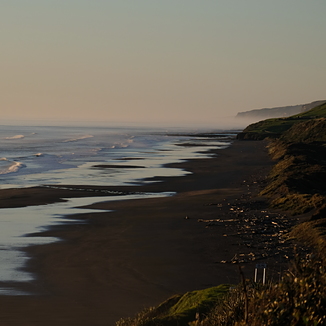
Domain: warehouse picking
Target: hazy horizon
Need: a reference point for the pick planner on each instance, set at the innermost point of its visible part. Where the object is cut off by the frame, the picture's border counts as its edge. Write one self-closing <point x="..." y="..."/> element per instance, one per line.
<point x="147" y="62"/>
<point x="222" y="124"/>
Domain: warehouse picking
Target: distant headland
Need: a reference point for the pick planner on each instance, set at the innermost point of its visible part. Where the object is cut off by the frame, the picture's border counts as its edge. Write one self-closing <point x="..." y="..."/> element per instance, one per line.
<point x="278" y="112"/>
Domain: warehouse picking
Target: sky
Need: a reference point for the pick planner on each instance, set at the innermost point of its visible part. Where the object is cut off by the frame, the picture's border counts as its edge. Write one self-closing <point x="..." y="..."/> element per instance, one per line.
<point x="148" y="61"/>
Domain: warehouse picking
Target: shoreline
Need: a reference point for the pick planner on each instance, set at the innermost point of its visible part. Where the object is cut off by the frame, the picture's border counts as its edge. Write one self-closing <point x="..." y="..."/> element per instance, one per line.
<point x="145" y="250"/>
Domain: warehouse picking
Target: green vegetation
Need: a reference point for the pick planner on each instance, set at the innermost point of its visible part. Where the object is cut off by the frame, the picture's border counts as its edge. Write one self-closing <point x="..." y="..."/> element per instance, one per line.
<point x="317" y="112"/>
<point x="274" y="128"/>
<point x="180" y="309"/>
<point x="298" y="181"/>
<point x="307" y="132"/>
<point x="299" y="299"/>
<point x="312" y="234"/>
<point x="270" y="128"/>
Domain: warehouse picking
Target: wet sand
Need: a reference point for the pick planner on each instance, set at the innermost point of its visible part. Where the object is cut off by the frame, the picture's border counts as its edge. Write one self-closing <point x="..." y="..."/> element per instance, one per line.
<point x="144" y="251"/>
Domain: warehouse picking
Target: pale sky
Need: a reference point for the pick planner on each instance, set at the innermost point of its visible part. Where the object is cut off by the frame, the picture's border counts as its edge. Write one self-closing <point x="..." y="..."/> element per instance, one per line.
<point x="180" y="61"/>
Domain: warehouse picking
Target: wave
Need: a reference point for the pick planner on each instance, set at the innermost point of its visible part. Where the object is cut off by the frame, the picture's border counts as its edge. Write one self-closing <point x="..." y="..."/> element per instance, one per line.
<point x="7" y="166"/>
<point x="78" y="138"/>
<point x="125" y="144"/>
<point x="15" y="137"/>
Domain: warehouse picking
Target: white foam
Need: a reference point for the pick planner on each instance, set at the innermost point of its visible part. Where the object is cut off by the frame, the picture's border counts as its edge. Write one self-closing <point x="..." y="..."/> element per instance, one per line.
<point x="10" y="167"/>
<point x="77" y="138"/>
<point x="15" y="137"/>
<point x="125" y="144"/>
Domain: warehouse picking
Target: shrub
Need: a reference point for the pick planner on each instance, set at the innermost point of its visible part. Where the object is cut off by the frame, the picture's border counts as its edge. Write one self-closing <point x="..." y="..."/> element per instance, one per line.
<point x="299" y="299"/>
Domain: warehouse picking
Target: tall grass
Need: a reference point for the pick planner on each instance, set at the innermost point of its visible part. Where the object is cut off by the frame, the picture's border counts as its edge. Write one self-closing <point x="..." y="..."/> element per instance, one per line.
<point x="299" y="299"/>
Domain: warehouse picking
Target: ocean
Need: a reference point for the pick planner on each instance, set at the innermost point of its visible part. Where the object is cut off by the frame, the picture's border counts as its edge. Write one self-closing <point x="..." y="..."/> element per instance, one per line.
<point x="58" y="156"/>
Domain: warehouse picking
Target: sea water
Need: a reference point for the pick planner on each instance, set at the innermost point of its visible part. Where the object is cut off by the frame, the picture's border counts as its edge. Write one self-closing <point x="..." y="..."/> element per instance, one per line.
<point x="59" y="156"/>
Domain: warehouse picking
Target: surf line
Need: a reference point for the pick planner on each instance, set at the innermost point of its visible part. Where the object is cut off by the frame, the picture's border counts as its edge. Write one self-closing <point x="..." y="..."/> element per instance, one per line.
<point x="113" y="192"/>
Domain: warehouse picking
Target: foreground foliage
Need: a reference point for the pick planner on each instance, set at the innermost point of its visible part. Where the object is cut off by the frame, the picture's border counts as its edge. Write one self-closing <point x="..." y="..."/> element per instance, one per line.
<point x="299" y="299"/>
<point x="179" y="309"/>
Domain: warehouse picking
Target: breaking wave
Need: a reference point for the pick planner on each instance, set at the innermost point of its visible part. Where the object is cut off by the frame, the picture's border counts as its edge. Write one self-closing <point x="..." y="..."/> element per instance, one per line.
<point x="7" y="166"/>
<point x="125" y="144"/>
<point x="70" y="140"/>
<point x="15" y="137"/>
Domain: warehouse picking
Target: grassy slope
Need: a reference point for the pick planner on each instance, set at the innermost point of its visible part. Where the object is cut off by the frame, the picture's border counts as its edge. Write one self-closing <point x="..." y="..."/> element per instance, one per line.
<point x="317" y="112"/>
<point x="298" y="181"/>
<point x="299" y="299"/>
<point x="179" y="310"/>
<point x="274" y="128"/>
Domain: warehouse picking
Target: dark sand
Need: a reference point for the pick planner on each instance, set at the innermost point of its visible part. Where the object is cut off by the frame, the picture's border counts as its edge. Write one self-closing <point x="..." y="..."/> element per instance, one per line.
<point x="144" y="251"/>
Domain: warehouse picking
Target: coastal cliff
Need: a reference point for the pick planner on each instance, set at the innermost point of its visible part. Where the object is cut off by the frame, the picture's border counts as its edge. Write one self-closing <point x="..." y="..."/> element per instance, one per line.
<point x="275" y="128"/>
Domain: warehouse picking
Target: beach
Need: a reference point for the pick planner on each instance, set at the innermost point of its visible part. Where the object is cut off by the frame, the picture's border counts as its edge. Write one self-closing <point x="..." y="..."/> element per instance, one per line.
<point x="134" y="254"/>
